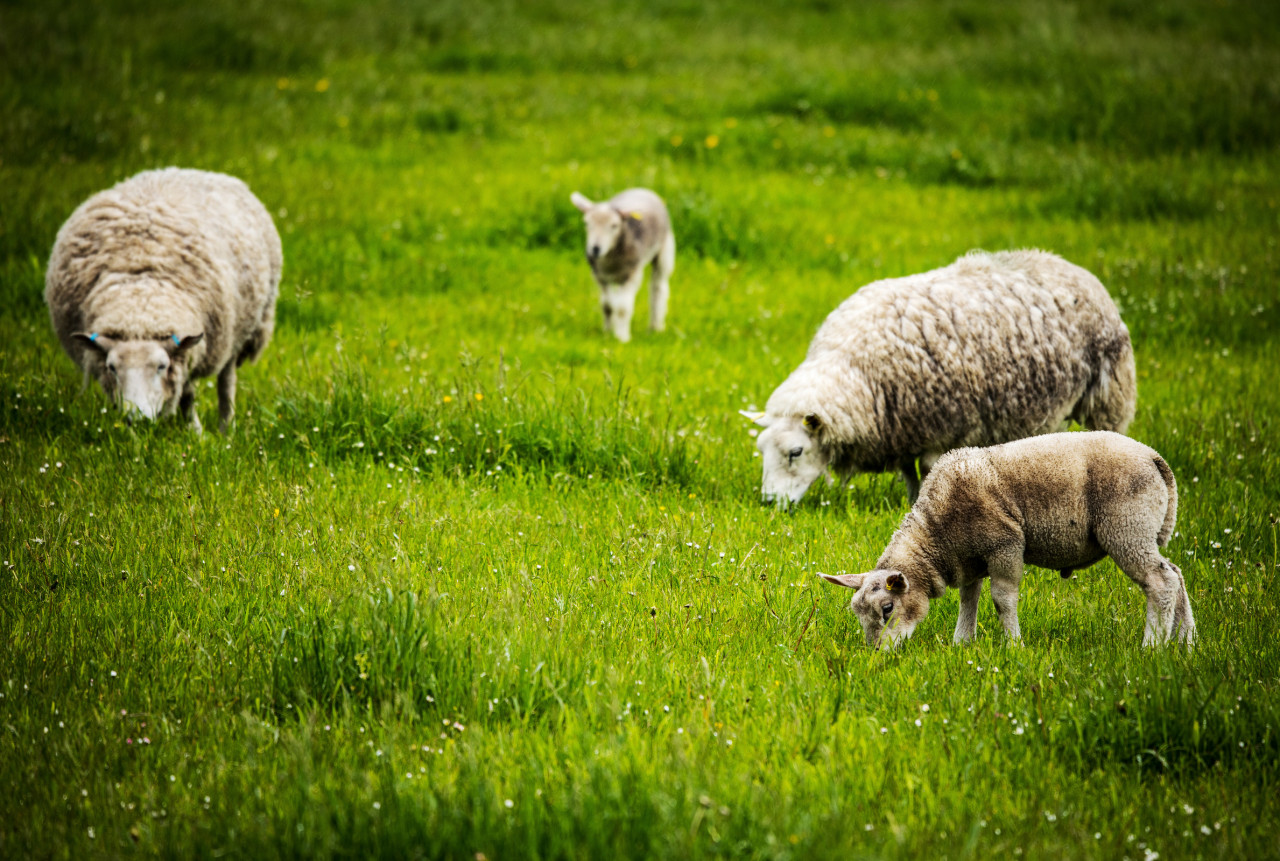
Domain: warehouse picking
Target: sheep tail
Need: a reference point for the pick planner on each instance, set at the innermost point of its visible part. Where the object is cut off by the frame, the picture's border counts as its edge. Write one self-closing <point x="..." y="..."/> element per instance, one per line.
<point x="1171" y="513"/>
<point x="1112" y="395"/>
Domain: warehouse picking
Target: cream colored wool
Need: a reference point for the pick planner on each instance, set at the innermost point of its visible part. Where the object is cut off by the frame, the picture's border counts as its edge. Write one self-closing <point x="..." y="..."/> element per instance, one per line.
<point x="626" y="233"/>
<point x="992" y="348"/>
<point x="167" y="277"/>
<point x="1062" y="501"/>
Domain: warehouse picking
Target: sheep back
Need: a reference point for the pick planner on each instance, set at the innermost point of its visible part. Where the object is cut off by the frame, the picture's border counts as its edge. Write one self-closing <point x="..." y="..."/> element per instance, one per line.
<point x="164" y="252"/>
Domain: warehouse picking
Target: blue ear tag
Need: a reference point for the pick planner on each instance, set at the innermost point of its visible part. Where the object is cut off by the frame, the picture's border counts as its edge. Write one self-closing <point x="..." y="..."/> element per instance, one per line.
<point x="177" y="342"/>
<point x="93" y="336"/>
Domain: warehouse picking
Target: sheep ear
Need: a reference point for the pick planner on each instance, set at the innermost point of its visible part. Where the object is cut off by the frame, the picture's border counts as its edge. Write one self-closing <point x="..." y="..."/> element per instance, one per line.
<point x="849" y="581"/>
<point x="756" y="418"/>
<point x="812" y="423"/>
<point x="178" y="346"/>
<point x="895" y="584"/>
<point x="98" y="343"/>
<point x="579" y="200"/>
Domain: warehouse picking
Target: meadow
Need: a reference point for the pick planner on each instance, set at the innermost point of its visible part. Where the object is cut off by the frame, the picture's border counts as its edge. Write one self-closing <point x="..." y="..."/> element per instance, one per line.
<point x="471" y="580"/>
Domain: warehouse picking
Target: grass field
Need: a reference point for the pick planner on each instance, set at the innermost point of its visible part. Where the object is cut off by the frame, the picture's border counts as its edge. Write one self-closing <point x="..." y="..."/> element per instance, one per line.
<point x="471" y="580"/>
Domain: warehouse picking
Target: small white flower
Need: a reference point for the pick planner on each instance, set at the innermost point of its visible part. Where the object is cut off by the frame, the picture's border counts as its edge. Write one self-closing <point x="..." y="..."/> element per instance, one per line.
<point x="509" y="804"/>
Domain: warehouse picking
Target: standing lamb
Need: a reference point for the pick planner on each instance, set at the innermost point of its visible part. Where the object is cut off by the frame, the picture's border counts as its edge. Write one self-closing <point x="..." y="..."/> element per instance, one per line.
<point x="170" y="276"/>
<point x="624" y="234"/>
<point x="992" y="348"/>
<point x="1062" y="501"/>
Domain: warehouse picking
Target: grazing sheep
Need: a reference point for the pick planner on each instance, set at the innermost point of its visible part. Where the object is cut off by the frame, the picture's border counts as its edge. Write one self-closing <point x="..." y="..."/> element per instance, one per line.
<point x="170" y="276"/>
<point x="624" y="234"/>
<point x="1062" y="501"/>
<point x="992" y="348"/>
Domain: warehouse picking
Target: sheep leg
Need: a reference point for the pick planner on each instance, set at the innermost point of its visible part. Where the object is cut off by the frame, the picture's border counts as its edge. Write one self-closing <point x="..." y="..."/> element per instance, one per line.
<point x="618" y="302"/>
<point x="908" y="468"/>
<point x="1162" y="583"/>
<point x="1184" y="623"/>
<point x="663" y="265"/>
<point x="1006" y="574"/>
<point x="187" y="404"/>
<point x="226" y="396"/>
<point x="967" y="624"/>
<point x="927" y="460"/>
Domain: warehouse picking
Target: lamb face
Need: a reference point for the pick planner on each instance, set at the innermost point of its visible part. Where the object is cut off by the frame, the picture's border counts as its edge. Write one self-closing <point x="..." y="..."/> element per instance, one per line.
<point x="604" y="226"/>
<point x="144" y="377"/>
<point x="886" y="605"/>
<point x="793" y="457"/>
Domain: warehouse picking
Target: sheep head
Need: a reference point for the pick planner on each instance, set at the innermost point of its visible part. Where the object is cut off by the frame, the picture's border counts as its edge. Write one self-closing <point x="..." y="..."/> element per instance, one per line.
<point x="143" y="376"/>
<point x="794" y="453"/>
<point x="886" y="605"/>
<point x="604" y="225"/>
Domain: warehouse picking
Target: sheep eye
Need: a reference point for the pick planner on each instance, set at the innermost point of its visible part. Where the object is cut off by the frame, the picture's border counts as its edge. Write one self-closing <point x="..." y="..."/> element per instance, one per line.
<point x="795" y="452"/>
<point x="111" y="369"/>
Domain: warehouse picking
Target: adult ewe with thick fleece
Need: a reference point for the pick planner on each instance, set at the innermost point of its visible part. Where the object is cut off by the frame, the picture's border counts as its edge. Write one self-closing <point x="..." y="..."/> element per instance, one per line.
<point x="624" y="234"/>
<point x="170" y="276"/>
<point x="992" y="348"/>
<point x="1062" y="501"/>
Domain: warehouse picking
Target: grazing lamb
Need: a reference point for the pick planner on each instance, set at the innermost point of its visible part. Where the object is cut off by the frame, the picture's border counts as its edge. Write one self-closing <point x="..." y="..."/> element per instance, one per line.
<point x="1062" y="501"/>
<point x="170" y="276"/>
<point x="992" y="348"/>
<point x="624" y="234"/>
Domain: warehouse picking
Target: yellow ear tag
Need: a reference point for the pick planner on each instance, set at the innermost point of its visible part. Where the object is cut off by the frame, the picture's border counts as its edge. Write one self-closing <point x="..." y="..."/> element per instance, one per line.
<point x="810" y="423"/>
<point x="637" y="216"/>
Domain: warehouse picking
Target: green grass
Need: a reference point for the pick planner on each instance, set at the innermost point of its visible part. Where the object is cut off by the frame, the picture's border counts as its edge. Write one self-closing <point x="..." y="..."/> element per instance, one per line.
<point x="469" y="577"/>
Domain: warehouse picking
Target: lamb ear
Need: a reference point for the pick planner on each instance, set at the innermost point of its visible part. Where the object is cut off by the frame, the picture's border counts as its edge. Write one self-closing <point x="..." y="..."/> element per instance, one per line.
<point x="895" y="584"/>
<point x="849" y="581"/>
<point x="579" y="200"/>
<point x="98" y="343"/>
<point x="178" y="346"/>
<point x="812" y="423"/>
<point x="757" y="418"/>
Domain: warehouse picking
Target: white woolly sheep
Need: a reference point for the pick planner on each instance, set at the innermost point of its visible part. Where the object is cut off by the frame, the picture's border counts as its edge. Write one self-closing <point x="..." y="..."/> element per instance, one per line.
<point x="992" y="348"/>
<point x="170" y="276"/>
<point x="1062" y="501"/>
<point x="625" y="234"/>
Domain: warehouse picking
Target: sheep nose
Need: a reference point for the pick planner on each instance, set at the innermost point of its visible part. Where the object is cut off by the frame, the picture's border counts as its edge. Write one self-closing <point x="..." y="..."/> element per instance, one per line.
<point x="593" y="252"/>
<point x="886" y="609"/>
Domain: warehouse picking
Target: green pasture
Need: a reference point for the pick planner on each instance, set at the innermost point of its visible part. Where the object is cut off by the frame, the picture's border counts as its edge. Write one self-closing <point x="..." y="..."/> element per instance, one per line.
<point x="471" y="580"/>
